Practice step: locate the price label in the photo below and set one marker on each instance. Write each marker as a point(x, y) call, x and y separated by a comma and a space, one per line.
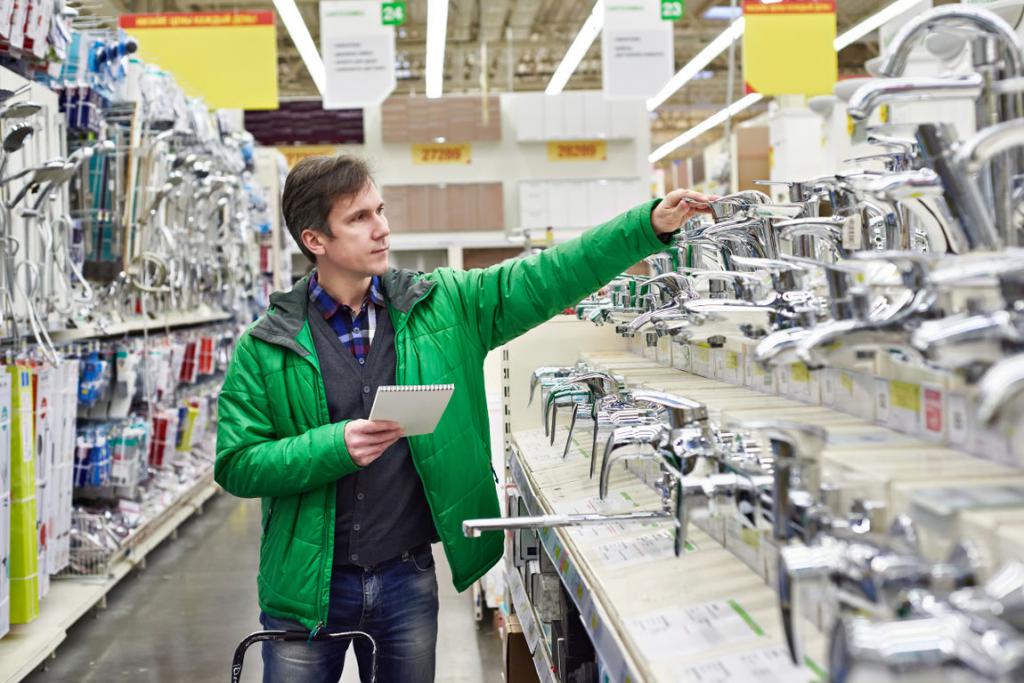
point(672, 9)
point(393, 13)
point(853, 233)
point(578, 150)
point(905, 396)
point(799, 373)
point(442, 154)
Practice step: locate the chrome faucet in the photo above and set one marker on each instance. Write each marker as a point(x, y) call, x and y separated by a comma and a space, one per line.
point(881, 91)
point(975, 631)
point(1001, 386)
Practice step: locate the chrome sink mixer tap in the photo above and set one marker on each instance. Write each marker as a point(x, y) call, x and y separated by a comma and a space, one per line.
point(679, 411)
point(974, 633)
point(869, 571)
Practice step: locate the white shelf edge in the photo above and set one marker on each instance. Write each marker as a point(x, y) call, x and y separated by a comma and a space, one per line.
point(139, 324)
point(43, 636)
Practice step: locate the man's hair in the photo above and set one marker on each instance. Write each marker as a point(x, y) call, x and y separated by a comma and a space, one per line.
point(312, 188)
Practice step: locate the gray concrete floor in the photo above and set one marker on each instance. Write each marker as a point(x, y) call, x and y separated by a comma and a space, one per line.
point(181, 618)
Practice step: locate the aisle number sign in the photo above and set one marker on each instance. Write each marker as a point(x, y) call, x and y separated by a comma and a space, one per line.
point(227, 58)
point(672, 9)
point(578, 150)
point(293, 154)
point(393, 13)
point(788, 47)
point(442, 154)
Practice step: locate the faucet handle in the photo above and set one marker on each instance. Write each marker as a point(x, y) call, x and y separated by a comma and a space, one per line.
point(800, 563)
point(682, 412)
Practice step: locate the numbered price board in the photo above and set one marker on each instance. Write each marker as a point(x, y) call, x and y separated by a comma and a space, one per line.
point(578, 150)
point(672, 9)
point(442, 154)
point(393, 13)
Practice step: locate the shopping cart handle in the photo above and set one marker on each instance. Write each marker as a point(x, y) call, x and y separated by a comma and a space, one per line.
point(298, 636)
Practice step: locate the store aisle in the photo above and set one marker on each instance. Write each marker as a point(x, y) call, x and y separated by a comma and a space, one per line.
point(180, 619)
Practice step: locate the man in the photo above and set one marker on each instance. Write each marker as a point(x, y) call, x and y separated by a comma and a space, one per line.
point(350, 507)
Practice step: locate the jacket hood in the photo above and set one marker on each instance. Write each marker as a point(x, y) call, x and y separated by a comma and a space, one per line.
point(286, 316)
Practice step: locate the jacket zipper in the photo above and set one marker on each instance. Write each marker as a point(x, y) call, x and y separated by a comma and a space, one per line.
point(270, 513)
point(325, 596)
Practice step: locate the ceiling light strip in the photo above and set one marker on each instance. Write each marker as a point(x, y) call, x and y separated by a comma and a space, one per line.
point(299, 33)
point(437, 34)
point(874, 22)
point(580, 45)
point(716, 47)
point(704, 126)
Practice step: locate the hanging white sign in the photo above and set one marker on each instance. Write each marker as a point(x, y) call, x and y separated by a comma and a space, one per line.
point(358, 53)
point(637, 50)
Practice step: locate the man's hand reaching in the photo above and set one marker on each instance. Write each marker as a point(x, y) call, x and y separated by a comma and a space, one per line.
point(678, 207)
point(366, 441)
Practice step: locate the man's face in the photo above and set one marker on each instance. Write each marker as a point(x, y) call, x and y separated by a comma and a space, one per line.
point(360, 235)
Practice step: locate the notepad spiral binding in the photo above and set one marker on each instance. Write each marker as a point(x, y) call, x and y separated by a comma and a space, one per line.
point(422, 387)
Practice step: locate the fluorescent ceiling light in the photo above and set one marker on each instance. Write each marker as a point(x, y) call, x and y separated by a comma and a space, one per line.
point(574, 55)
point(697, 64)
point(874, 22)
point(704, 126)
point(437, 33)
point(299, 33)
point(723, 13)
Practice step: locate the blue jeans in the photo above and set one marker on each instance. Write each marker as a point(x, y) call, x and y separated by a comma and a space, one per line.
point(395, 602)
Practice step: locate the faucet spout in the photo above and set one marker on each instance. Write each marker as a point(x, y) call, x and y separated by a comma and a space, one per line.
point(954, 17)
point(875, 93)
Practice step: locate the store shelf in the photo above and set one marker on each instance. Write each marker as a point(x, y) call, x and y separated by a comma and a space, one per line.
point(28, 645)
point(613, 597)
point(530, 622)
point(442, 240)
point(139, 324)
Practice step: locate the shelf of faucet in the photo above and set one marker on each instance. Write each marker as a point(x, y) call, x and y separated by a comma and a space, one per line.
point(651, 615)
point(900, 474)
point(139, 324)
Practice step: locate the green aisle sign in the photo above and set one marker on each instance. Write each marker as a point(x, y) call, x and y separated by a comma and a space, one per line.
point(672, 9)
point(394, 13)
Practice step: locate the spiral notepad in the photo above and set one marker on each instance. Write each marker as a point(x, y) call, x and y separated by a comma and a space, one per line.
point(417, 408)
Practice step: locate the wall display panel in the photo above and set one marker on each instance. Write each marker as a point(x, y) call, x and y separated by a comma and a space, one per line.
point(457, 119)
point(306, 123)
point(575, 115)
point(453, 207)
point(577, 203)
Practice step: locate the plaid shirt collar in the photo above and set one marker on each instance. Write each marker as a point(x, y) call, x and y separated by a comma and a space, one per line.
point(328, 307)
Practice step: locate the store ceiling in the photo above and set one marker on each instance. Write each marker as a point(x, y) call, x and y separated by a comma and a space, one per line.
point(525, 42)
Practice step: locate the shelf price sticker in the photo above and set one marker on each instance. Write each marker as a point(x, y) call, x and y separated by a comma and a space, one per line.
point(578, 150)
point(442, 154)
point(788, 47)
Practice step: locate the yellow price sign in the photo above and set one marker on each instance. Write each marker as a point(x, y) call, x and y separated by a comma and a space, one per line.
point(578, 150)
point(227, 58)
point(732, 360)
point(905, 395)
point(799, 373)
point(442, 154)
point(295, 154)
point(703, 353)
point(788, 47)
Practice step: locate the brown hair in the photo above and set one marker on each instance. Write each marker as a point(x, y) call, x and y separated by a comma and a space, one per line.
point(311, 189)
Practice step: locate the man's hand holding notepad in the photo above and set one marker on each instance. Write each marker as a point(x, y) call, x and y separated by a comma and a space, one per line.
point(417, 408)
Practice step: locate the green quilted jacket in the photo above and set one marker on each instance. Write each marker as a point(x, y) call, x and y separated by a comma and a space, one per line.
point(275, 440)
